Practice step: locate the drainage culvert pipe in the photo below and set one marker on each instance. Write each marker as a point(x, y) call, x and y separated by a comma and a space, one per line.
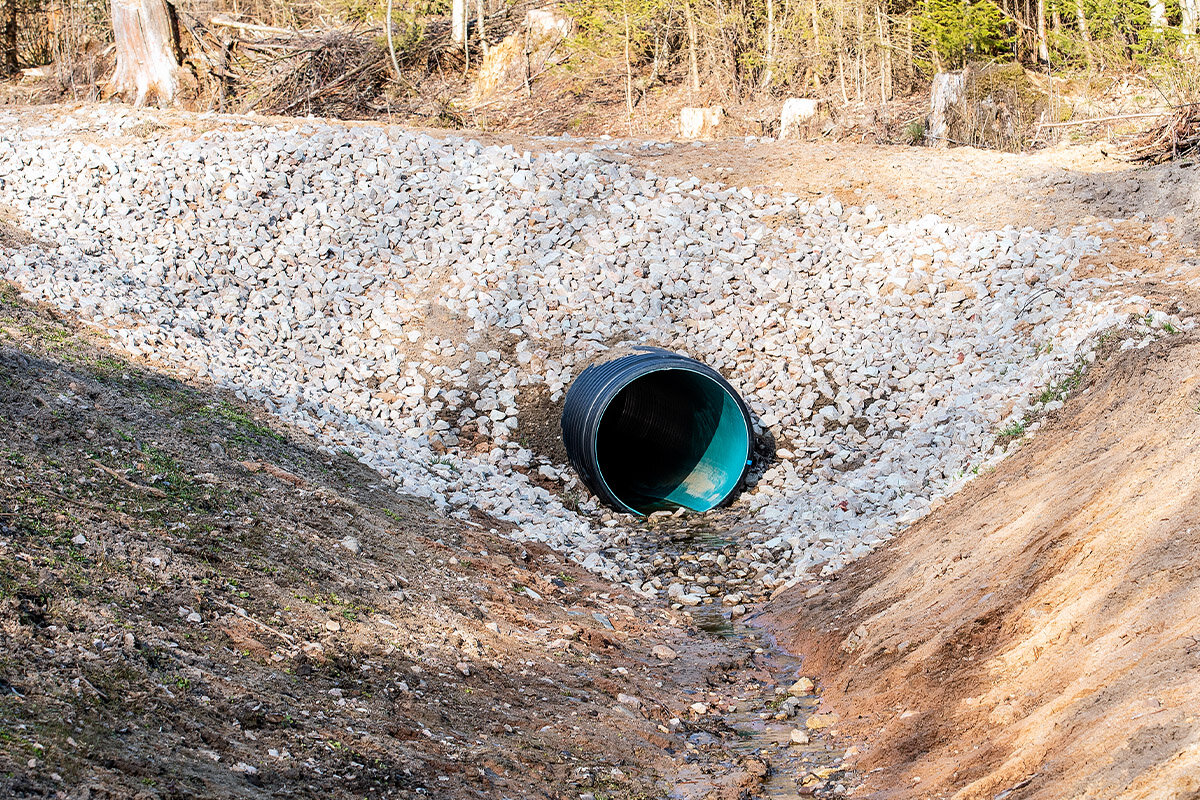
point(653, 430)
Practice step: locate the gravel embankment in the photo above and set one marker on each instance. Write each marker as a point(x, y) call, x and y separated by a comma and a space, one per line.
point(408, 298)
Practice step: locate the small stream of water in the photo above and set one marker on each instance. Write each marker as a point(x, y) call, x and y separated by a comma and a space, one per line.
point(752, 730)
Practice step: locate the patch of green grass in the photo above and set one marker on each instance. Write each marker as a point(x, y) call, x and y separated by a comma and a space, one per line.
point(914, 132)
point(444, 461)
point(176, 483)
point(1014, 430)
point(1062, 389)
point(105, 367)
point(163, 395)
point(248, 430)
point(348, 608)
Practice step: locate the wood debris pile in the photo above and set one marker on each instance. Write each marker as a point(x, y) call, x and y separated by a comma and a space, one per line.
point(243, 67)
point(1173, 137)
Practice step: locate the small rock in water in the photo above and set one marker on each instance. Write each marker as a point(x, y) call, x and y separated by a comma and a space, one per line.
point(802, 687)
point(799, 736)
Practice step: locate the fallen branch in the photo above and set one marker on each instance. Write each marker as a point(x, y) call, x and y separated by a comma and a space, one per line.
point(274, 471)
point(241, 612)
point(226, 22)
point(1096, 120)
point(150, 490)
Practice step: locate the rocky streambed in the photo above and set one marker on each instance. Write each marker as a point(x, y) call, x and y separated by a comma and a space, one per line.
point(422, 303)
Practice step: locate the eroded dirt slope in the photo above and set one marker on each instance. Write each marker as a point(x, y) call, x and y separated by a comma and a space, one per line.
point(1039, 636)
point(195, 604)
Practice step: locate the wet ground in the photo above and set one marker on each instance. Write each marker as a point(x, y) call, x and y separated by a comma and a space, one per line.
point(766, 714)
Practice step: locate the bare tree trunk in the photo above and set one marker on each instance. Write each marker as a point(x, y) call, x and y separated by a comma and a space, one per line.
point(1158, 14)
point(390, 44)
point(1191, 15)
point(885, 55)
point(145, 41)
point(1085, 35)
point(769, 74)
point(693, 65)
point(860, 78)
point(628, 68)
point(458, 21)
point(908, 49)
point(1043, 49)
point(483, 44)
point(8, 63)
point(816, 45)
point(945, 107)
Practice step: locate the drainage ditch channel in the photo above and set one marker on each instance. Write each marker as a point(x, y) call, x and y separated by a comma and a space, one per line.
point(654, 431)
point(772, 710)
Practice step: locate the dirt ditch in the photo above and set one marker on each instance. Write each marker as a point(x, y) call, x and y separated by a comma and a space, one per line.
point(196, 603)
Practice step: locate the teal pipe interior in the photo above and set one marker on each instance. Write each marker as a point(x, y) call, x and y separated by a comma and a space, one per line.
point(672, 438)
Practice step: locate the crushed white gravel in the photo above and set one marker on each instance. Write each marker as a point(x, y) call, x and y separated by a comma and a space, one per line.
point(404, 297)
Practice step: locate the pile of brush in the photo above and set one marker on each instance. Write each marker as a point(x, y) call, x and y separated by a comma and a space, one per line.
point(1175, 136)
point(245, 67)
point(239, 66)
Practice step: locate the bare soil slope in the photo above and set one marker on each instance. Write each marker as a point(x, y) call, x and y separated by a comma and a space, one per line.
point(1039, 636)
point(195, 604)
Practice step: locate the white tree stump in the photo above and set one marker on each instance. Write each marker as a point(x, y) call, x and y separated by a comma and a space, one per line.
point(523, 53)
point(145, 46)
point(796, 116)
point(701, 122)
point(946, 112)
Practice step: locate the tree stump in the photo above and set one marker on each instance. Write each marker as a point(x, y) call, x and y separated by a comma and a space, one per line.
point(947, 114)
point(701, 122)
point(146, 42)
point(795, 119)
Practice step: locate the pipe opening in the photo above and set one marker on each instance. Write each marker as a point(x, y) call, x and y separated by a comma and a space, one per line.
point(672, 438)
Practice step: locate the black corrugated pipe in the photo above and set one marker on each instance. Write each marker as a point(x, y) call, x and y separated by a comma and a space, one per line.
point(654, 430)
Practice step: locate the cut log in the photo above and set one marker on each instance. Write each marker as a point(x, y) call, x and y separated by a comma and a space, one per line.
point(700, 123)
point(796, 117)
point(946, 111)
point(146, 43)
